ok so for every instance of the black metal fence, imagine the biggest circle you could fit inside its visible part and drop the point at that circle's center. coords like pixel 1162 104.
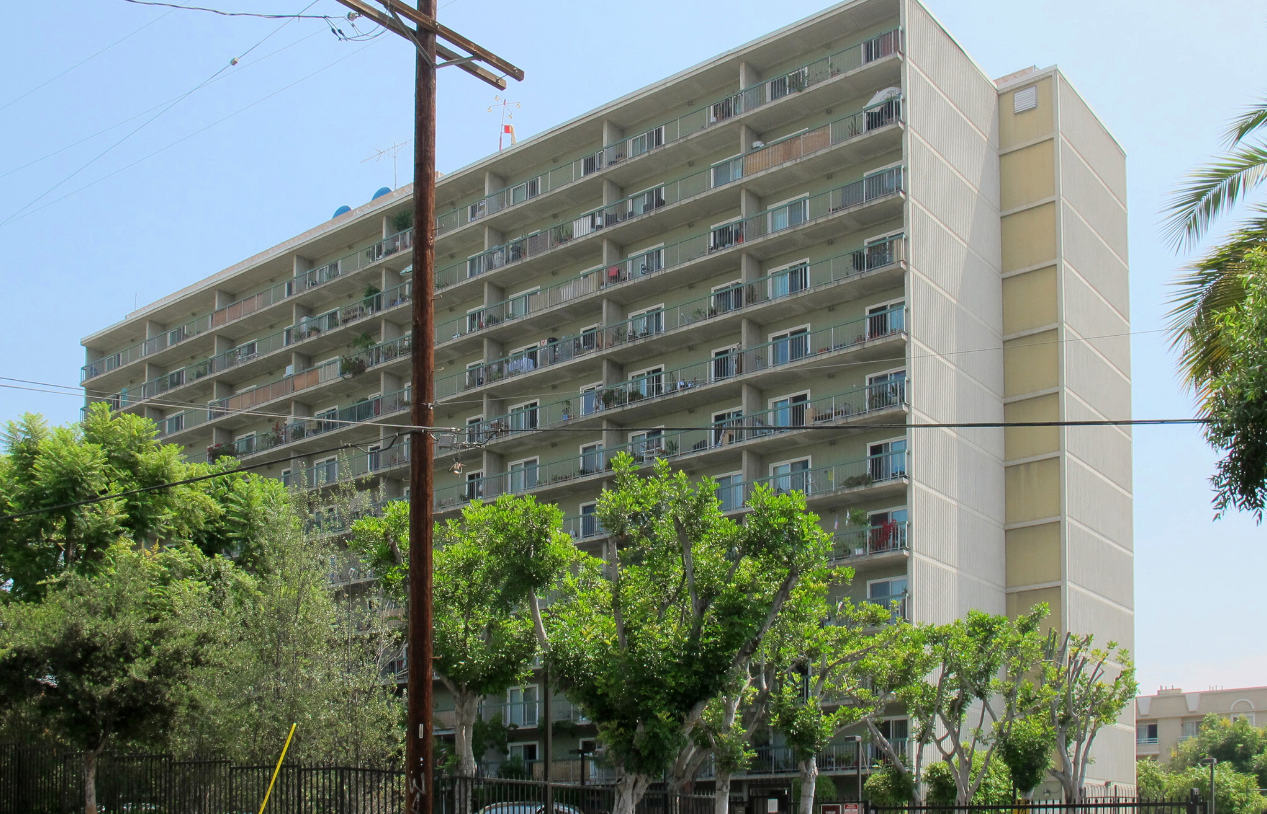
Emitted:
pixel 1102 805
pixel 42 780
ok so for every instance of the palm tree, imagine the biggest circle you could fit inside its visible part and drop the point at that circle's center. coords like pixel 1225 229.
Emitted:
pixel 1214 283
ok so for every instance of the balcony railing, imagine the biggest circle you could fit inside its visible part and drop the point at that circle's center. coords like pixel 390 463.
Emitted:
pixel 249 305
pixel 296 429
pixel 881 468
pixel 780 218
pixel 336 470
pixel 788 282
pixel 696 120
pixel 896 604
pixel 859 542
pixel 780 352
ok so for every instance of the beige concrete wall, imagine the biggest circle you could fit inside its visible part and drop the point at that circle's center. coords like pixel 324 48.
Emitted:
pixel 1171 708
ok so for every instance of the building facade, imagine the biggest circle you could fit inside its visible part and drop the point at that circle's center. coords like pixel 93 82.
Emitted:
pixel 761 269
pixel 1164 720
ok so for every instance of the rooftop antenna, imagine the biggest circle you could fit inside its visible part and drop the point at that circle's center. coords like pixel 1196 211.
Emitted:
pixel 506 129
pixel 392 151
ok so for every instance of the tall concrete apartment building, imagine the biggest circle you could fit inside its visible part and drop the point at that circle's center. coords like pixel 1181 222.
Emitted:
pixel 791 250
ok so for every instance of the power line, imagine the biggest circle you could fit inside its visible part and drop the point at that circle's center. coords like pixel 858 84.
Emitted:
pixel 81 62
pixel 299 16
pixel 170 484
pixel 78 190
pixel 149 110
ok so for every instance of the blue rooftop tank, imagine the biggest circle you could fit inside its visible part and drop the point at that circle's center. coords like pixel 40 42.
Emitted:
pixel 342 210
pixel 381 192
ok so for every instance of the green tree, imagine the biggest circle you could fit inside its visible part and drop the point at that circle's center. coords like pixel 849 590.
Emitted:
pixel 293 647
pixel 963 684
pixel 1236 401
pixel 1238 743
pixel 1083 689
pixel 644 639
pixel 490 568
pixel 1214 285
pixel 1234 792
pixel 43 468
pixel 107 658
pixel 995 789
pixel 1026 752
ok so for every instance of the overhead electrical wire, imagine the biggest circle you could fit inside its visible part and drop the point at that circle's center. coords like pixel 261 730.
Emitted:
pixel 81 62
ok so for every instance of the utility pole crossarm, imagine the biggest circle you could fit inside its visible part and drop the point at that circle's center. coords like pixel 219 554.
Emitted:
pixel 430 24
pixel 388 22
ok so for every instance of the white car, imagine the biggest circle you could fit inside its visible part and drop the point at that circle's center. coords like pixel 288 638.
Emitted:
pixel 527 807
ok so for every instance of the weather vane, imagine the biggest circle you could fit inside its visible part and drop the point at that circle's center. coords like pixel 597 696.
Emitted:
pixel 392 151
pixel 507 128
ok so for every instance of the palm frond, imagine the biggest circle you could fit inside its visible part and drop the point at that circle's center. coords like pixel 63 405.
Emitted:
pixel 1252 118
pixel 1211 191
pixel 1211 286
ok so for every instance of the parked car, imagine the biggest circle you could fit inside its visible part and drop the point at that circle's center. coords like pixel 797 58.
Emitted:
pixel 527 807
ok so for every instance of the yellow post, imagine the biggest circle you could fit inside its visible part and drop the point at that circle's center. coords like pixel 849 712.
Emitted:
pixel 278 769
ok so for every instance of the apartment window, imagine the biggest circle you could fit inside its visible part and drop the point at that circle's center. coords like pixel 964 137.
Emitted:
pixel 646 446
pixel 788 83
pixel 244 444
pixel 474 322
pixel 895 731
pixel 725 235
pixel 887 531
pixel 327 419
pixel 647 384
pixel 475 429
pixel 525 752
pixel 325 471
pixel 524 417
pixel 522 475
pixel 366 408
pixel 730 106
pixel 878 47
pixel 591 398
pixel 876 252
pixel 175 423
pixel 884 320
pixel 522 192
pixel 727 297
pixel 646 263
pixel 591 163
pixel 475 374
pixel 247 350
pixel 286 478
pixel 1146 733
pixel 589 520
pixel 788 281
pixel 887 460
pixel 647 141
pixel 374 458
pixel 790 476
pixel 647 322
pixel 522 707
pixel 477 210
pixel 725 363
pixel 789 411
pixel 592 459
pixel 727 427
pixel 890 593
pixel 1190 729
pixel 723 172
pixel 646 201
pixel 474 487
pixel 589 338
pixel 886 390
pixel 786 215
pixel 730 491
pixel 789 346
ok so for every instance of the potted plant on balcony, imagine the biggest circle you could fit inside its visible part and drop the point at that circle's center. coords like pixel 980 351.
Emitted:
pixel 565 407
pixel 217 451
pixel 635 395
pixel 608 398
pixel 369 297
pixel 403 220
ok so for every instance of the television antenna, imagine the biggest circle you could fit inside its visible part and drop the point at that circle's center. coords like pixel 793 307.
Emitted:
pixel 505 129
pixel 394 152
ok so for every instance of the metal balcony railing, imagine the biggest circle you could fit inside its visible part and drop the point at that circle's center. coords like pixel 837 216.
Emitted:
pixel 794 348
pixel 700 118
pixel 249 305
pixel 872 187
pixel 881 539
pixel 336 470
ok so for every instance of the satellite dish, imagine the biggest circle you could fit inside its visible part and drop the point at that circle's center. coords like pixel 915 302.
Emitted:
pixel 342 210
pixel 381 192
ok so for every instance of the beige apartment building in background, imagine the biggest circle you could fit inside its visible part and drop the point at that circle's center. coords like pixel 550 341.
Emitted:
pixel 1165 720
pixel 760 269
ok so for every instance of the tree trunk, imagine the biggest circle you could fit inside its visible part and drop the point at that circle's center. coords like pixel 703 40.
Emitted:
pixel 629 790
pixel 721 797
pixel 90 779
pixel 809 779
pixel 465 711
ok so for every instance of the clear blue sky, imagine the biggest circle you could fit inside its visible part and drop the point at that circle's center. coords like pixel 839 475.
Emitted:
pixel 1164 75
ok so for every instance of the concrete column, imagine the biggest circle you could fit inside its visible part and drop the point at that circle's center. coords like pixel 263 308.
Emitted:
pixel 613 437
pixel 613 373
pixel 302 264
pixel 300 409
pixel 751 400
pixel 611 192
pixel 748 75
pixel 153 329
pixel 611 132
pixel 493 407
pixel 387 227
pixel 493 294
pixel 493 238
pixel 750 333
pixel 299 362
pixel 388 382
pixel 753 467
pixel 613 314
pixel 224 298
pixel 748 138
pixel 493 183
pixel 493 350
pixel 749 268
pixel 749 204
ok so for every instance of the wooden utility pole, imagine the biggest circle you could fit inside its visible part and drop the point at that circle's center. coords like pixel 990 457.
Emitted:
pixel 420 731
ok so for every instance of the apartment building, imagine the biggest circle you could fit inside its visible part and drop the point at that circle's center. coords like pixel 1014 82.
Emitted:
pixel 761 269
pixel 1171 716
